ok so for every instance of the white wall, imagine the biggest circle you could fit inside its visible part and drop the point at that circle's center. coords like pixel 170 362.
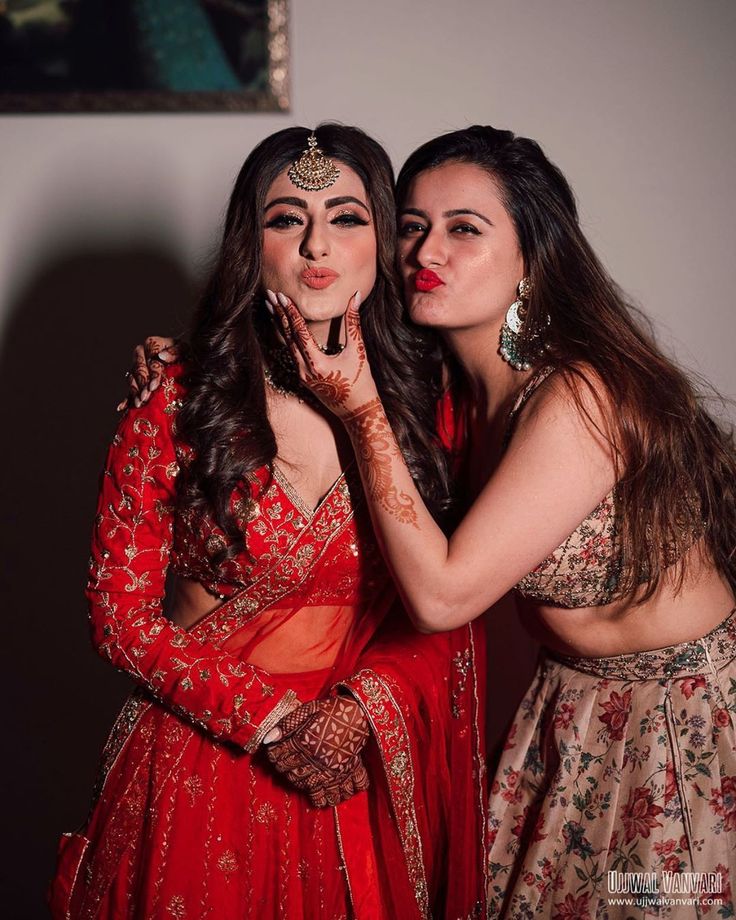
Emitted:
pixel 633 99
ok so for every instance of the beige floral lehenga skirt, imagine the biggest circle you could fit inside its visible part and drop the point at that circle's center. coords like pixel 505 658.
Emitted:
pixel 615 795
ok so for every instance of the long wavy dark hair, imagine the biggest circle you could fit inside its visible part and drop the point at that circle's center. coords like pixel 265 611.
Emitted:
pixel 224 418
pixel 676 465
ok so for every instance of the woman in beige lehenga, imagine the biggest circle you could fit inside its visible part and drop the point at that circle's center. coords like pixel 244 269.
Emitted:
pixel 601 491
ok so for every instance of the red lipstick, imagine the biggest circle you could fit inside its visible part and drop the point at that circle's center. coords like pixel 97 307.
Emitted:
pixel 426 280
pixel 318 278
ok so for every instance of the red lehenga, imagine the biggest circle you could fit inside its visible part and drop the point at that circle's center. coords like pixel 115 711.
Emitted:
pixel 189 818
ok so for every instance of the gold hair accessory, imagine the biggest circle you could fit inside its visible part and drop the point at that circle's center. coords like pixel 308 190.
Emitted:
pixel 313 171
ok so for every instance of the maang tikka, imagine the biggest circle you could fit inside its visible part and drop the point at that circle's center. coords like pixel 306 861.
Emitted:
pixel 313 171
pixel 511 348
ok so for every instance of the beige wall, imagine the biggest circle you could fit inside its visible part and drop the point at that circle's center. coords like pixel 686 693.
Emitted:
pixel 633 99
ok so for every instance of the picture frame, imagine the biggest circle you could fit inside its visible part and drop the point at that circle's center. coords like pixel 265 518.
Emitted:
pixel 61 56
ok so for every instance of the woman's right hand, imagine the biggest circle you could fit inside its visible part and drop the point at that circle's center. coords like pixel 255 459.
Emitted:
pixel 144 377
pixel 318 748
pixel 343 382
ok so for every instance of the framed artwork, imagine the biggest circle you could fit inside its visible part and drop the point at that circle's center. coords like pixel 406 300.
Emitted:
pixel 144 55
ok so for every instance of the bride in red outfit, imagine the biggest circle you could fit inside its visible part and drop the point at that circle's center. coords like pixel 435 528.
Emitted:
pixel 241 482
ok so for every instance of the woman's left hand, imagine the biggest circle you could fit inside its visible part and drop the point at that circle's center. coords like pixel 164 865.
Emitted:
pixel 342 382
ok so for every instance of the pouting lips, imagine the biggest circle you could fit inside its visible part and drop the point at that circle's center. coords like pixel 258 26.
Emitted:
pixel 319 278
pixel 426 280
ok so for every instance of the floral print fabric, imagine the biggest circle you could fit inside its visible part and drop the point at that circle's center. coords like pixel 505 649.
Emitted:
pixel 619 765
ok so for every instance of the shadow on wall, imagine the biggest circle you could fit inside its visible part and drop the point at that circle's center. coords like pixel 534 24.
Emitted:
pixel 68 342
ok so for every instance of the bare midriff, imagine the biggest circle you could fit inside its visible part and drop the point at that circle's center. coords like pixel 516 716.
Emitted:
pixel 285 639
pixel 668 618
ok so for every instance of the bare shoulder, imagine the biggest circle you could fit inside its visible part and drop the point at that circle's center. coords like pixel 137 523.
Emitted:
pixel 572 402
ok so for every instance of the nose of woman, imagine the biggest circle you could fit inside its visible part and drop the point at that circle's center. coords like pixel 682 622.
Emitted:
pixel 315 243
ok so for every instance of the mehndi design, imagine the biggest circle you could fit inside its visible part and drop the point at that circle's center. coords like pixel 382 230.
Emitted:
pixel 375 447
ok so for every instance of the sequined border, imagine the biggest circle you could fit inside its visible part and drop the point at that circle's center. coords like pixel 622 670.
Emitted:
pixel 390 730
pixel 121 731
pixel 480 767
pixel 285 705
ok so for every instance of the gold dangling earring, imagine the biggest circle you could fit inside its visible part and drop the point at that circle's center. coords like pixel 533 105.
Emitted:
pixel 510 348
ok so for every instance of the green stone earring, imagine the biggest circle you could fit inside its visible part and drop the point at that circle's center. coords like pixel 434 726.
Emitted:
pixel 511 346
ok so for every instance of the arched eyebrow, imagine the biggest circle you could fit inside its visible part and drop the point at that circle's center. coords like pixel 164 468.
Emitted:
pixel 456 212
pixel 329 203
pixel 294 202
pixel 346 199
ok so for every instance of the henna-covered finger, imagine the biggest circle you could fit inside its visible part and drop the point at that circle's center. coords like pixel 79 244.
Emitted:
pixel 169 355
pixel 156 367
pixel 353 332
pixel 300 333
pixel 155 344
pixel 292 343
pixel 341 786
pixel 154 348
pixel 139 371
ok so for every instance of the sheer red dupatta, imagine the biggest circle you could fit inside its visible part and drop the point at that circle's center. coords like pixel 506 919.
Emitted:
pixel 425 699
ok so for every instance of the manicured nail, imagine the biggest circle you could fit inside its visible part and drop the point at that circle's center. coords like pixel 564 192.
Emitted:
pixel 145 393
pixel 269 306
pixel 154 384
pixel 121 405
pixel 358 300
pixel 271 297
pixel 283 299
pixel 137 403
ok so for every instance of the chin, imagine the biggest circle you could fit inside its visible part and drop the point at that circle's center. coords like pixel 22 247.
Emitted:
pixel 425 310
pixel 315 312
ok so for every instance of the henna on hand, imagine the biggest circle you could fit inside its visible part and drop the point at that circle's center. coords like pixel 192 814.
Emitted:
pixel 158 352
pixel 354 332
pixel 375 447
pixel 149 360
pixel 334 389
pixel 341 381
pixel 319 751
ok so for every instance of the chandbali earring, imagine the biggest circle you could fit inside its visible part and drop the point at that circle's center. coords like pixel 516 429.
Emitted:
pixel 513 349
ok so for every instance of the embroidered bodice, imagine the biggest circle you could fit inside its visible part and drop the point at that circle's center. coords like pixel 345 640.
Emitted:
pixel 280 527
pixel 296 558
pixel 584 570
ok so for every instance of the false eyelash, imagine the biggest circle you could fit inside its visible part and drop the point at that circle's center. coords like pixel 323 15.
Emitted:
pixel 356 218
pixel 286 219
